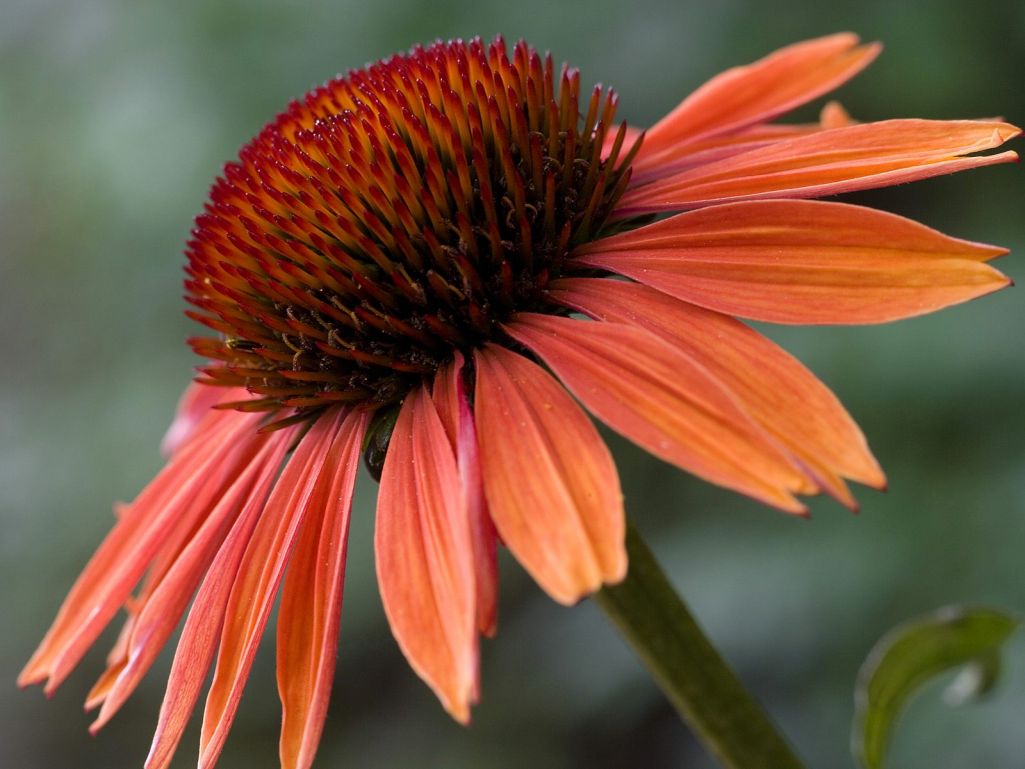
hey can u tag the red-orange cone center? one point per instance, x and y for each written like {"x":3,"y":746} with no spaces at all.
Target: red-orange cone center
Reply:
{"x":395,"y":215}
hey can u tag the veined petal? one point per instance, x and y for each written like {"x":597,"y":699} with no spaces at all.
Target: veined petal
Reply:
{"x":854,"y":157}
{"x":782,"y":395}
{"x":107,"y":581}
{"x":164,"y":602}
{"x":202,"y":629}
{"x":117,"y":658}
{"x":424,"y":555}
{"x":311,"y":604}
{"x":194,"y":404}
{"x":449,"y":394}
{"x":206,"y":522}
{"x":551,"y":485}
{"x":792,"y":261}
{"x":679,"y":157}
{"x":758,"y":92}
{"x":304,"y":485}
{"x":630,"y":137}
{"x":664,"y":401}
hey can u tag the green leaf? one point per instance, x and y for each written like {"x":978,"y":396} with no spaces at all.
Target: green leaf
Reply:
{"x":915,"y":652}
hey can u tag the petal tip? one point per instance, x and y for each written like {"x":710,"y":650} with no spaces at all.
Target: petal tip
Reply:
{"x":1006,"y":131}
{"x":28,"y":677}
{"x":461,"y":714}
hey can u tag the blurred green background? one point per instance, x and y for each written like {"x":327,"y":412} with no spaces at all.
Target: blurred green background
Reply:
{"x":114,"y":118}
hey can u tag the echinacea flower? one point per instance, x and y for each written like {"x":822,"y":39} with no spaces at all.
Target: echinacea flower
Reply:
{"x":429,"y":263}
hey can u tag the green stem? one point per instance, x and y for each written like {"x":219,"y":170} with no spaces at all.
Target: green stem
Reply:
{"x":704,"y":690}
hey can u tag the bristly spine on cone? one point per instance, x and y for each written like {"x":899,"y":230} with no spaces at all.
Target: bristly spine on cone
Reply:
{"x":394,"y":216}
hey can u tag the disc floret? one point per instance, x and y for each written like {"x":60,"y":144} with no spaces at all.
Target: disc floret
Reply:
{"x":395,"y":215}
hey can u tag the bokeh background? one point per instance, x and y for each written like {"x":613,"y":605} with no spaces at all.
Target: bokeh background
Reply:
{"x":115,"y":117}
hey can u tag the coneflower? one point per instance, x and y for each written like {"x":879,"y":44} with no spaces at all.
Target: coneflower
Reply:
{"x":428,"y":263}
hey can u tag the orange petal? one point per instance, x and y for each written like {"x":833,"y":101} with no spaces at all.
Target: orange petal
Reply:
{"x":304,"y":485}
{"x":774,"y":388}
{"x":664,"y":401}
{"x":630,"y":137}
{"x":202,"y":629}
{"x":193,"y":521}
{"x":311,"y":605}
{"x":107,"y":581}
{"x":424,"y":555}
{"x":833,"y":115}
{"x":551,"y":485}
{"x":167,"y":600}
{"x":449,"y":394}
{"x":854,"y":157}
{"x":195,"y":402}
{"x":791,"y":261}
{"x":691,"y":154}
{"x":116,"y":661}
{"x":759,"y":92}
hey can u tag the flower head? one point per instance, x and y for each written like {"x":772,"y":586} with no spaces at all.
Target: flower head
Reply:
{"x":428,"y":263}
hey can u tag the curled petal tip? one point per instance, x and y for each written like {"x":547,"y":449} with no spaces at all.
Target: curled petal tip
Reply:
{"x":1005,"y":132}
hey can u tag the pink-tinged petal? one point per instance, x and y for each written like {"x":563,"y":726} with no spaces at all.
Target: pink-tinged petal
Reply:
{"x":195,"y":402}
{"x":163,"y":604}
{"x":185,"y":484}
{"x":833,"y":115}
{"x":683,"y":156}
{"x":782,"y":395}
{"x":311,"y":605}
{"x":116,"y":661}
{"x":759,"y":92}
{"x":304,"y":485}
{"x":630,"y":137}
{"x":664,"y":401}
{"x":450,"y":398}
{"x":551,"y":485}
{"x":202,"y":629}
{"x":854,"y":157}
{"x":792,"y":261}
{"x":424,"y":556}
{"x":193,"y":521}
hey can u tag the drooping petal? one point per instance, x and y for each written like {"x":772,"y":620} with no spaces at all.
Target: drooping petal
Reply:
{"x":759,"y":92}
{"x":855,"y":157}
{"x":138,"y":646}
{"x":773,"y":387}
{"x":164,"y":602}
{"x":117,"y":658}
{"x":551,"y":485}
{"x":424,"y":555}
{"x":449,"y":394}
{"x":195,"y":402}
{"x":311,"y":604}
{"x":664,"y":401}
{"x":304,"y":485}
{"x":106,"y":582}
{"x":794,"y":261}
{"x":202,"y":629}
